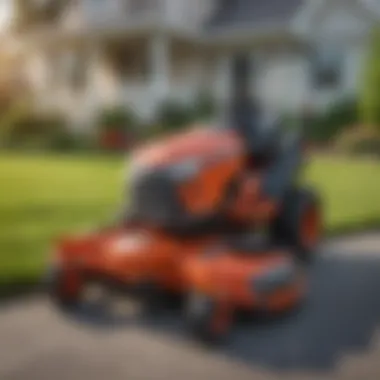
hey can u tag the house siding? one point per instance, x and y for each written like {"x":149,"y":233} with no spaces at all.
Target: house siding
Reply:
{"x":190,"y":15}
{"x":282,"y":82}
{"x":283,"y":79}
{"x":281,"y":75}
{"x":344,"y":26}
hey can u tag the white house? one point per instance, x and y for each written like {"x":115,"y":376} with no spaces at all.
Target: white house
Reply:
{"x":141,"y":52}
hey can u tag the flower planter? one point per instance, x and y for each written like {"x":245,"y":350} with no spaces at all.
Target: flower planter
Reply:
{"x":113,"y":140}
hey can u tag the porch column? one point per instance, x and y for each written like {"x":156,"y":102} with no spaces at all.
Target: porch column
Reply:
{"x":94,"y":85}
{"x":159,"y":60}
{"x":223,"y":80}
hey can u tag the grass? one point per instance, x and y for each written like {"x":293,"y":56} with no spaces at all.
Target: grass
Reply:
{"x":42,"y":197}
{"x":350,"y":191}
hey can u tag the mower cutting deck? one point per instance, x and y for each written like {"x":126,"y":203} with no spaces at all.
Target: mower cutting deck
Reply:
{"x":199,"y":201}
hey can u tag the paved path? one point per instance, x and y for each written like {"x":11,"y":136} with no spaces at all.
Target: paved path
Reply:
{"x":334,"y":336}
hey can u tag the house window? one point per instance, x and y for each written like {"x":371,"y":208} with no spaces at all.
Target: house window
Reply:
{"x":76,"y":70}
{"x":326,"y":67}
{"x":79,"y":74}
{"x":135,"y":7}
{"x":130,"y":63}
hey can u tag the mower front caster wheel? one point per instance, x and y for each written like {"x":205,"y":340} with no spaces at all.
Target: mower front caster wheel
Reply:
{"x":209,"y":320}
{"x":64,"y":286}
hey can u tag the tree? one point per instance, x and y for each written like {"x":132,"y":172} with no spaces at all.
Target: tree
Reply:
{"x":26,"y":14}
{"x":30,"y":13}
{"x":370,"y":93}
{"x":53,"y":9}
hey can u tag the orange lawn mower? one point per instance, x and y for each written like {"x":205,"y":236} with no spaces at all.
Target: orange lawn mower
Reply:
{"x":224,"y":227}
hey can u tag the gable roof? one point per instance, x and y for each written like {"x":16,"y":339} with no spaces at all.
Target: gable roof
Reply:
{"x":255,"y":13}
{"x":372,"y":5}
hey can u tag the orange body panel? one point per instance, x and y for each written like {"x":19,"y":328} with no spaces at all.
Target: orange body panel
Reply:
{"x":250,"y":204}
{"x":178,"y":265}
{"x":203,"y":194}
{"x":220,"y":155}
{"x":196,"y":143}
{"x":222,"y":159}
{"x":136,"y":255}
{"x":132,"y":256}
{"x":229,"y":277}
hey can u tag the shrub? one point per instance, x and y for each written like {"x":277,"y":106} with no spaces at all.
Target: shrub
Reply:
{"x":289,"y":121}
{"x":204,"y":107}
{"x":70,"y":142}
{"x":369,"y":147}
{"x":149,"y":131}
{"x":117,"y":126}
{"x":327,"y":126}
{"x":117,"y":118}
{"x":370,"y":92}
{"x":360,"y":140}
{"x":23,"y":127}
{"x":173,"y":115}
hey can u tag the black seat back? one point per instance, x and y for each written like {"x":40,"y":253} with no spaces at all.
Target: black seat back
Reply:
{"x":282,"y":173}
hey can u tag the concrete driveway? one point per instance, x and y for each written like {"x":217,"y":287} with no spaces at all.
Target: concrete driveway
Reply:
{"x":334,"y":335}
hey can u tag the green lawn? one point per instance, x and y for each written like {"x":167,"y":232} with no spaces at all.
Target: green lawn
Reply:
{"x":42,"y":197}
{"x":350,"y":191}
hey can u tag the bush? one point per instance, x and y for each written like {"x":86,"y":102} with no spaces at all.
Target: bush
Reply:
{"x":289,"y":121}
{"x":205,"y":107}
{"x":117,"y":118}
{"x":360,"y":141}
{"x":117,"y":126}
{"x":370,"y":147}
{"x":70,"y":142}
{"x":370,"y":93}
{"x":327,"y":126}
{"x":23,"y":127}
{"x":173,"y":115}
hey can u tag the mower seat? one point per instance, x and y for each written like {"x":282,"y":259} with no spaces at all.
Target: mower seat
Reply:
{"x":249,"y":244}
{"x":284,"y":169}
{"x":265,"y":144}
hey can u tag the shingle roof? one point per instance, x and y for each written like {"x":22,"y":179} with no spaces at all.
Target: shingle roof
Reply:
{"x":252,"y":12}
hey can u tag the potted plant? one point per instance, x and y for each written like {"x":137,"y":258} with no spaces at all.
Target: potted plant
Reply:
{"x":116,"y":127}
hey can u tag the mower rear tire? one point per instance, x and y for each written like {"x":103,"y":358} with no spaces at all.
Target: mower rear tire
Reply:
{"x":298,"y":226}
